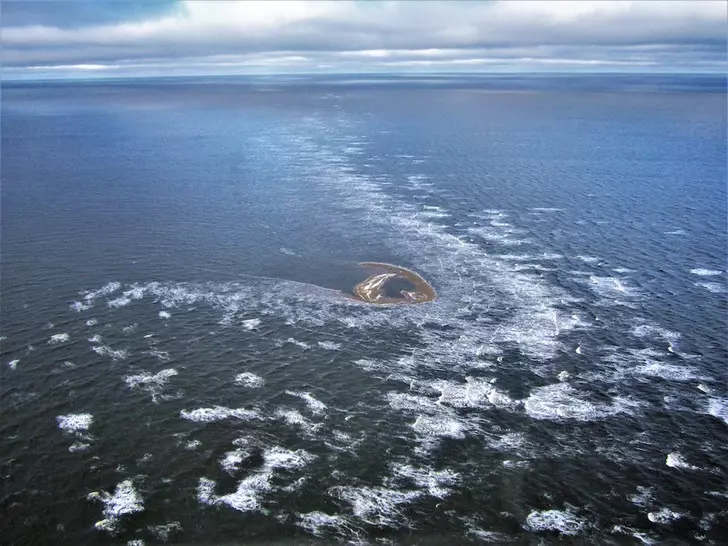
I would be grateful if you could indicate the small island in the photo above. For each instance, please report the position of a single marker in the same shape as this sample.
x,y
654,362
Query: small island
x,y
391,284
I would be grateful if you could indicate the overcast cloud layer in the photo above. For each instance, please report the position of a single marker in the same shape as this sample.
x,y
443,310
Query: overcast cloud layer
x,y
63,38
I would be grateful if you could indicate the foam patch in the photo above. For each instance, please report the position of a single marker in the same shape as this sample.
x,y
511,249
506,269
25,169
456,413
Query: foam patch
x,y
315,406
377,506
560,402
125,501
218,413
249,380
564,522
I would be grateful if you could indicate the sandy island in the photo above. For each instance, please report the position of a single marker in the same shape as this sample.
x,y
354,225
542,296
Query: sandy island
x,y
373,289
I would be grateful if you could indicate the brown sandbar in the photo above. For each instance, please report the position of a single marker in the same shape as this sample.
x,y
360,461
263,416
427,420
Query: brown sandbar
x,y
373,288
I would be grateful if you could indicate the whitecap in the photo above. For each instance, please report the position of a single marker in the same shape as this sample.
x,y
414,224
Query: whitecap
x,y
248,495
317,523
439,426
561,402
74,422
162,532
718,407
125,501
13,364
315,406
706,272
79,306
474,393
115,354
78,446
676,460
151,383
435,482
294,418
218,413
376,505
667,371
664,516
121,301
249,380
588,259
297,343
714,287
164,314
58,338
643,497
329,345
554,520
251,324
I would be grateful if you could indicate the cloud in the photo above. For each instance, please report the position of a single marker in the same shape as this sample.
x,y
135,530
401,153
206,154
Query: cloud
x,y
321,35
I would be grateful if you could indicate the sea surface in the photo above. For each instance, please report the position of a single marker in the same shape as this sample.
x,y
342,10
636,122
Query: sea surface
x,y
180,361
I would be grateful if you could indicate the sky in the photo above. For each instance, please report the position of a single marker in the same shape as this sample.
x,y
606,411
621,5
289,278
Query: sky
x,y
107,38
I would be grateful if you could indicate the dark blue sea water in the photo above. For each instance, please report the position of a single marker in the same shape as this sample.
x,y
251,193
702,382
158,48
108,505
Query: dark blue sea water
x,y
180,361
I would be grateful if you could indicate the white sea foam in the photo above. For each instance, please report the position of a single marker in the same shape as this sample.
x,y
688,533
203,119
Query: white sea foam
x,y
75,422
561,402
249,380
105,290
315,406
643,497
588,259
440,426
218,413
162,532
13,364
96,338
376,505
652,330
251,324
232,459
329,345
164,314
121,301
664,516
125,501
554,520
706,272
676,460
192,445
151,383
79,306
297,343
473,393
115,354
668,371
435,482
59,338
318,523
294,418
78,446
248,496
718,407
612,288
714,287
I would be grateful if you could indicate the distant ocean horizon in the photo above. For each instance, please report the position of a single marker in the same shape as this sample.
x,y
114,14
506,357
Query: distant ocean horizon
x,y
180,361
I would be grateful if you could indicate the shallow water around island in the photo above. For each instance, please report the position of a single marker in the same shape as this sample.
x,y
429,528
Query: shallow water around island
x,y
181,363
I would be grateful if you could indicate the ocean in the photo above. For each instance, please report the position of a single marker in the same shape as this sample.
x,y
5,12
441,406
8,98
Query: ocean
x,y
182,360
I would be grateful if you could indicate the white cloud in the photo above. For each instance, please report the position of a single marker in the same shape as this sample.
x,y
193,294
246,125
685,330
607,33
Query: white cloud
x,y
375,34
